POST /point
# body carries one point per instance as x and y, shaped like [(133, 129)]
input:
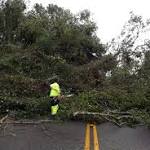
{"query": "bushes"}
[(111, 99), (8, 49), (92, 101), (30, 106), (19, 86)]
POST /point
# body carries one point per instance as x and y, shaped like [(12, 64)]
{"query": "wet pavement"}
[(114, 138), (66, 136), (71, 136)]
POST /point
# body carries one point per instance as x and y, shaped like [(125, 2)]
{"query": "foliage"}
[(45, 42)]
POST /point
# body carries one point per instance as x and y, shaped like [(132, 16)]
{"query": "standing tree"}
[(129, 52), (12, 13)]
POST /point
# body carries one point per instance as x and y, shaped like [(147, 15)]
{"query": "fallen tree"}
[(115, 117)]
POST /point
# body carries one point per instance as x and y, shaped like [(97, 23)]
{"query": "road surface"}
[(73, 136)]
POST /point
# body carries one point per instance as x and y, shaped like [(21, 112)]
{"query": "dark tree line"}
[(55, 30), (45, 42)]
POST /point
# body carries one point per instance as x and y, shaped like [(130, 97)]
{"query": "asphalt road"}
[(71, 136), (114, 138)]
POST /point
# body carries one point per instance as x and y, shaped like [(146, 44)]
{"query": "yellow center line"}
[(87, 137), (96, 144)]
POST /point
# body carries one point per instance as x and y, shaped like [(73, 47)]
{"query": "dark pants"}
[(53, 105), (54, 101)]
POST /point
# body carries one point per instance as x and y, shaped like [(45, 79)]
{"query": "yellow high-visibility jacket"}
[(55, 90)]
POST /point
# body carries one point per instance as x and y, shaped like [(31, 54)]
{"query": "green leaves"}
[(11, 15)]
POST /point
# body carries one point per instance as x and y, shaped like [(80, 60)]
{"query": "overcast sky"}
[(110, 15)]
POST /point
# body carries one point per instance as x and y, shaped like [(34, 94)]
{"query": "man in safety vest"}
[(55, 94)]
